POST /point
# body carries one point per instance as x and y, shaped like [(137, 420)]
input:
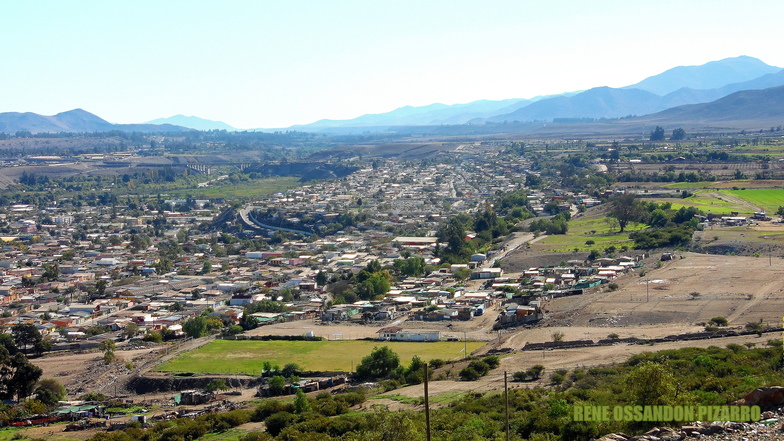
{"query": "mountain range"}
[(721, 91), (674, 87), (76, 120)]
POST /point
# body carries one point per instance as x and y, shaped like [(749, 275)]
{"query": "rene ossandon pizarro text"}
[(666, 413)]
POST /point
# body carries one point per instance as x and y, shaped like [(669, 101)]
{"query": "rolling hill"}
[(76, 120), (747, 105)]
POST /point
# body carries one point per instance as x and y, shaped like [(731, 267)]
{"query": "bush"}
[(279, 421), (492, 361), (437, 363), (469, 374), (268, 408), (612, 286)]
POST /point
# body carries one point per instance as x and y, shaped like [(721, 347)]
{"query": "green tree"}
[(625, 209), (49, 391), (26, 335), (195, 327), (651, 383), (657, 134), (678, 134), (207, 267), (17, 375), (217, 384), (108, 347), (290, 369), (380, 363), (277, 384), (301, 403)]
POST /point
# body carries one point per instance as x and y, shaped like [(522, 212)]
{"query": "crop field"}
[(768, 199), (247, 357), (743, 183)]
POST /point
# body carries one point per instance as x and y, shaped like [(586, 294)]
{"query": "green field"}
[(712, 201), (243, 190), (247, 357), (584, 229), (769, 199), (726, 185)]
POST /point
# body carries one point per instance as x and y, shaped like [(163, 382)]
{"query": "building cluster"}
[(71, 269)]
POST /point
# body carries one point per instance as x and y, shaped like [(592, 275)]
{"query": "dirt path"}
[(560, 359)]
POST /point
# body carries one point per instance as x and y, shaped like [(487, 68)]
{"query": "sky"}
[(273, 64)]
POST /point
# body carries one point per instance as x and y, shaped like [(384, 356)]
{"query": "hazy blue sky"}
[(277, 63)]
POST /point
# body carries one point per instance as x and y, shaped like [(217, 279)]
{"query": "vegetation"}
[(228, 357)]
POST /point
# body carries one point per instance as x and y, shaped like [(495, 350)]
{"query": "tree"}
[(380, 363), (291, 369), (195, 327), (217, 384), (301, 403), (207, 267), (49, 391), (677, 134), (651, 383), (625, 208), (8, 343), (277, 384), (26, 335), (131, 329), (17, 375), (657, 134), (108, 347)]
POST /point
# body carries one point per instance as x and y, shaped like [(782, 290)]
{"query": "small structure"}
[(396, 333), (192, 398)]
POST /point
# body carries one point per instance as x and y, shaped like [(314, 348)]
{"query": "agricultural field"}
[(743, 183), (247, 357), (726, 201), (769, 200)]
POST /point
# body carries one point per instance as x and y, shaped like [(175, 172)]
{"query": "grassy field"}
[(769, 199), (242, 190), (247, 357), (745, 183), (584, 229)]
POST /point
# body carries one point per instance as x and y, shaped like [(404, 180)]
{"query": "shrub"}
[(469, 374), (492, 361), (612, 286), (437, 363), (719, 321), (279, 421)]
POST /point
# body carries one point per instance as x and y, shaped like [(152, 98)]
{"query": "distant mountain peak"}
[(711, 75), (193, 122)]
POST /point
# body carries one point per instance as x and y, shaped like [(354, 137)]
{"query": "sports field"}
[(248, 357)]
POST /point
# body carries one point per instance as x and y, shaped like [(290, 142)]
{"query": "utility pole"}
[(465, 345), (427, 407), (647, 291), (506, 399)]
